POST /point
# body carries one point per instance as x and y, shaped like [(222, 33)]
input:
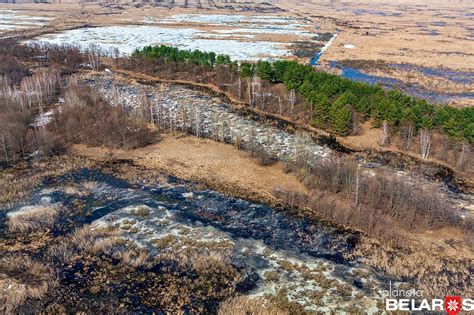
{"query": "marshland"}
[(185, 159)]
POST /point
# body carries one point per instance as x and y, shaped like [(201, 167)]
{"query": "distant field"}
[(421, 47), (433, 39)]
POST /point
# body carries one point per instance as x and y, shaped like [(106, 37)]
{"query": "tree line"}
[(334, 103), (206, 59), (334, 100), (286, 88)]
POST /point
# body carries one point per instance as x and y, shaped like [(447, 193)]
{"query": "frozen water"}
[(267, 30), (129, 38), (225, 19), (10, 19), (215, 119)]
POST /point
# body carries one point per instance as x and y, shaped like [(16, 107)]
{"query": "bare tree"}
[(463, 154), (116, 55), (171, 121), (94, 56), (252, 141), (357, 185), (292, 100), (425, 142), (197, 121), (239, 87), (406, 134), (280, 105), (224, 129), (384, 134), (5, 149), (256, 91), (250, 92)]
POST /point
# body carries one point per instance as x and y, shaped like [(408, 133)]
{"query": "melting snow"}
[(10, 19), (128, 38)]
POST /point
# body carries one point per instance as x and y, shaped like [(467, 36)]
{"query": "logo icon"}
[(452, 304)]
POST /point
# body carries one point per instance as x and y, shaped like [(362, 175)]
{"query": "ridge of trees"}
[(206, 59)]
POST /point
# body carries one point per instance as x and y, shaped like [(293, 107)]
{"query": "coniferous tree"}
[(340, 117)]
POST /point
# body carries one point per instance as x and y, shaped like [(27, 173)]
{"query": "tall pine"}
[(340, 118)]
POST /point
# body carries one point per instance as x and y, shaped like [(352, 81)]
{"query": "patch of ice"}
[(129, 38), (328, 44), (33, 209), (188, 194), (267, 30), (43, 119), (10, 19)]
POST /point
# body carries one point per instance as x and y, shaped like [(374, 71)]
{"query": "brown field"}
[(434, 34), (373, 34)]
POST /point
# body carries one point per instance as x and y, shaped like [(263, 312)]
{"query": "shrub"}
[(87, 118), (263, 157)]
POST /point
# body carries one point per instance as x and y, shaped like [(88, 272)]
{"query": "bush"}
[(87, 118), (263, 157)]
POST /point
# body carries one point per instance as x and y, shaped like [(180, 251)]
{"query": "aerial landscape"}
[(236, 157)]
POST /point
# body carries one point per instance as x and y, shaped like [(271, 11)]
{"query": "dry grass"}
[(245, 306), (32, 219), (133, 257), (16, 183), (434, 274), (141, 211), (206, 262), (20, 279), (86, 240), (95, 240)]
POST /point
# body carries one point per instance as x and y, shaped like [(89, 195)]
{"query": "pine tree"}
[(265, 71), (340, 117), (320, 104), (247, 70)]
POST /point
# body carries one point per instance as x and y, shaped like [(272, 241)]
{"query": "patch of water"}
[(10, 19), (316, 58), (390, 83), (235, 19), (375, 12), (461, 77)]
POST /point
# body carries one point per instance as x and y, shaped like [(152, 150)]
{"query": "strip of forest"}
[(326, 101)]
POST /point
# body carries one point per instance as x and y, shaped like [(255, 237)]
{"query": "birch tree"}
[(384, 134), (292, 100), (425, 142)]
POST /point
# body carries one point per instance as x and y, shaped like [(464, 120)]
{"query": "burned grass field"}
[(121, 237)]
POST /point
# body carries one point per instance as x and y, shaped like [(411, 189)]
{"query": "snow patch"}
[(129, 38)]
